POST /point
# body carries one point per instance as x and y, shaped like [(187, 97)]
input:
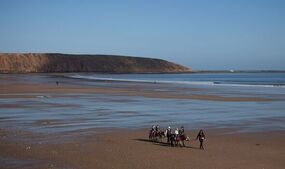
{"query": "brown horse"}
[(160, 135), (156, 136), (178, 140)]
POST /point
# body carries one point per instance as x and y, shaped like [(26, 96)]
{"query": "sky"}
[(201, 34)]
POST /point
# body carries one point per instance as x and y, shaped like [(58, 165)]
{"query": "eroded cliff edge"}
[(60, 63)]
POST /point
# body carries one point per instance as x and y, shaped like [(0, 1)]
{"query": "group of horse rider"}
[(174, 137)]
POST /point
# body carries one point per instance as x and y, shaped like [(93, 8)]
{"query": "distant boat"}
[(232, 71)]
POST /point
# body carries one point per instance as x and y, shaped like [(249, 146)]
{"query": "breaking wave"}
[(171, 81)]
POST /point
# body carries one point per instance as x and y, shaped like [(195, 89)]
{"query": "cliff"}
[(55, 62)]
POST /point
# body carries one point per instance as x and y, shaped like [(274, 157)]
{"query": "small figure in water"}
[(57, 83), (201, 136)]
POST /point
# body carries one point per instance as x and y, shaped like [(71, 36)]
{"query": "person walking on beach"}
[(201, 137), (168, 134)]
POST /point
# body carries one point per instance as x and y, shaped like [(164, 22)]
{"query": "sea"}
[(221, 79), (71, 112)]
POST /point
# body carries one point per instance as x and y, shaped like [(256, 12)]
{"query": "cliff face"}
[(49, 63)]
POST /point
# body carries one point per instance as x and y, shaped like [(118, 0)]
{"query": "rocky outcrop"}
[(55, 63)]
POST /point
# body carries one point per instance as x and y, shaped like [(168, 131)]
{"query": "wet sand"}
[(128, 149), (125, 149), (12, 89)]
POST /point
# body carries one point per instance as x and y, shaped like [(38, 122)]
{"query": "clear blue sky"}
[(202, 34)]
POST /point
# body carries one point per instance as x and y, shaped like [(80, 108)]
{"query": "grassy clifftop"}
[(55, 62)]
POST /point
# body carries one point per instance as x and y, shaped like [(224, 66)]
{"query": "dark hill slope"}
[(53, 62)]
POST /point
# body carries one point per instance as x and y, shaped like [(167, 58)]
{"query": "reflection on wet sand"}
[(42, 106), (76, 125)]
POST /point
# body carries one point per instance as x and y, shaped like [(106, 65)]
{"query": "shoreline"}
[(31, 88)]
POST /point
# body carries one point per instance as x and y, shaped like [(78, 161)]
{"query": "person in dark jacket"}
[(201, 136)]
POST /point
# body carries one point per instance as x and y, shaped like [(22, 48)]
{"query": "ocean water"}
[(221, 79), (55, 112)]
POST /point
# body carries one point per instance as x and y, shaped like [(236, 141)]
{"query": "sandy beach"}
[(136, 84), (125, 149), (12, 88), (27, 146)]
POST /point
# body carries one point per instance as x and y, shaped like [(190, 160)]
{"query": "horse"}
[(156, 136), (151, 135), (176, 140), (159, 135)]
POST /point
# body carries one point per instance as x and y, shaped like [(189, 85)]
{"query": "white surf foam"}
[(171, 82)]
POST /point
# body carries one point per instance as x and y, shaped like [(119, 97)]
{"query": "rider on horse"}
[(168, 133), (181, 132), (155, 133), (157, 128), (151, 132)]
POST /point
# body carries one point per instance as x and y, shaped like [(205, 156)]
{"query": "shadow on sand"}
[(164, 144)]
